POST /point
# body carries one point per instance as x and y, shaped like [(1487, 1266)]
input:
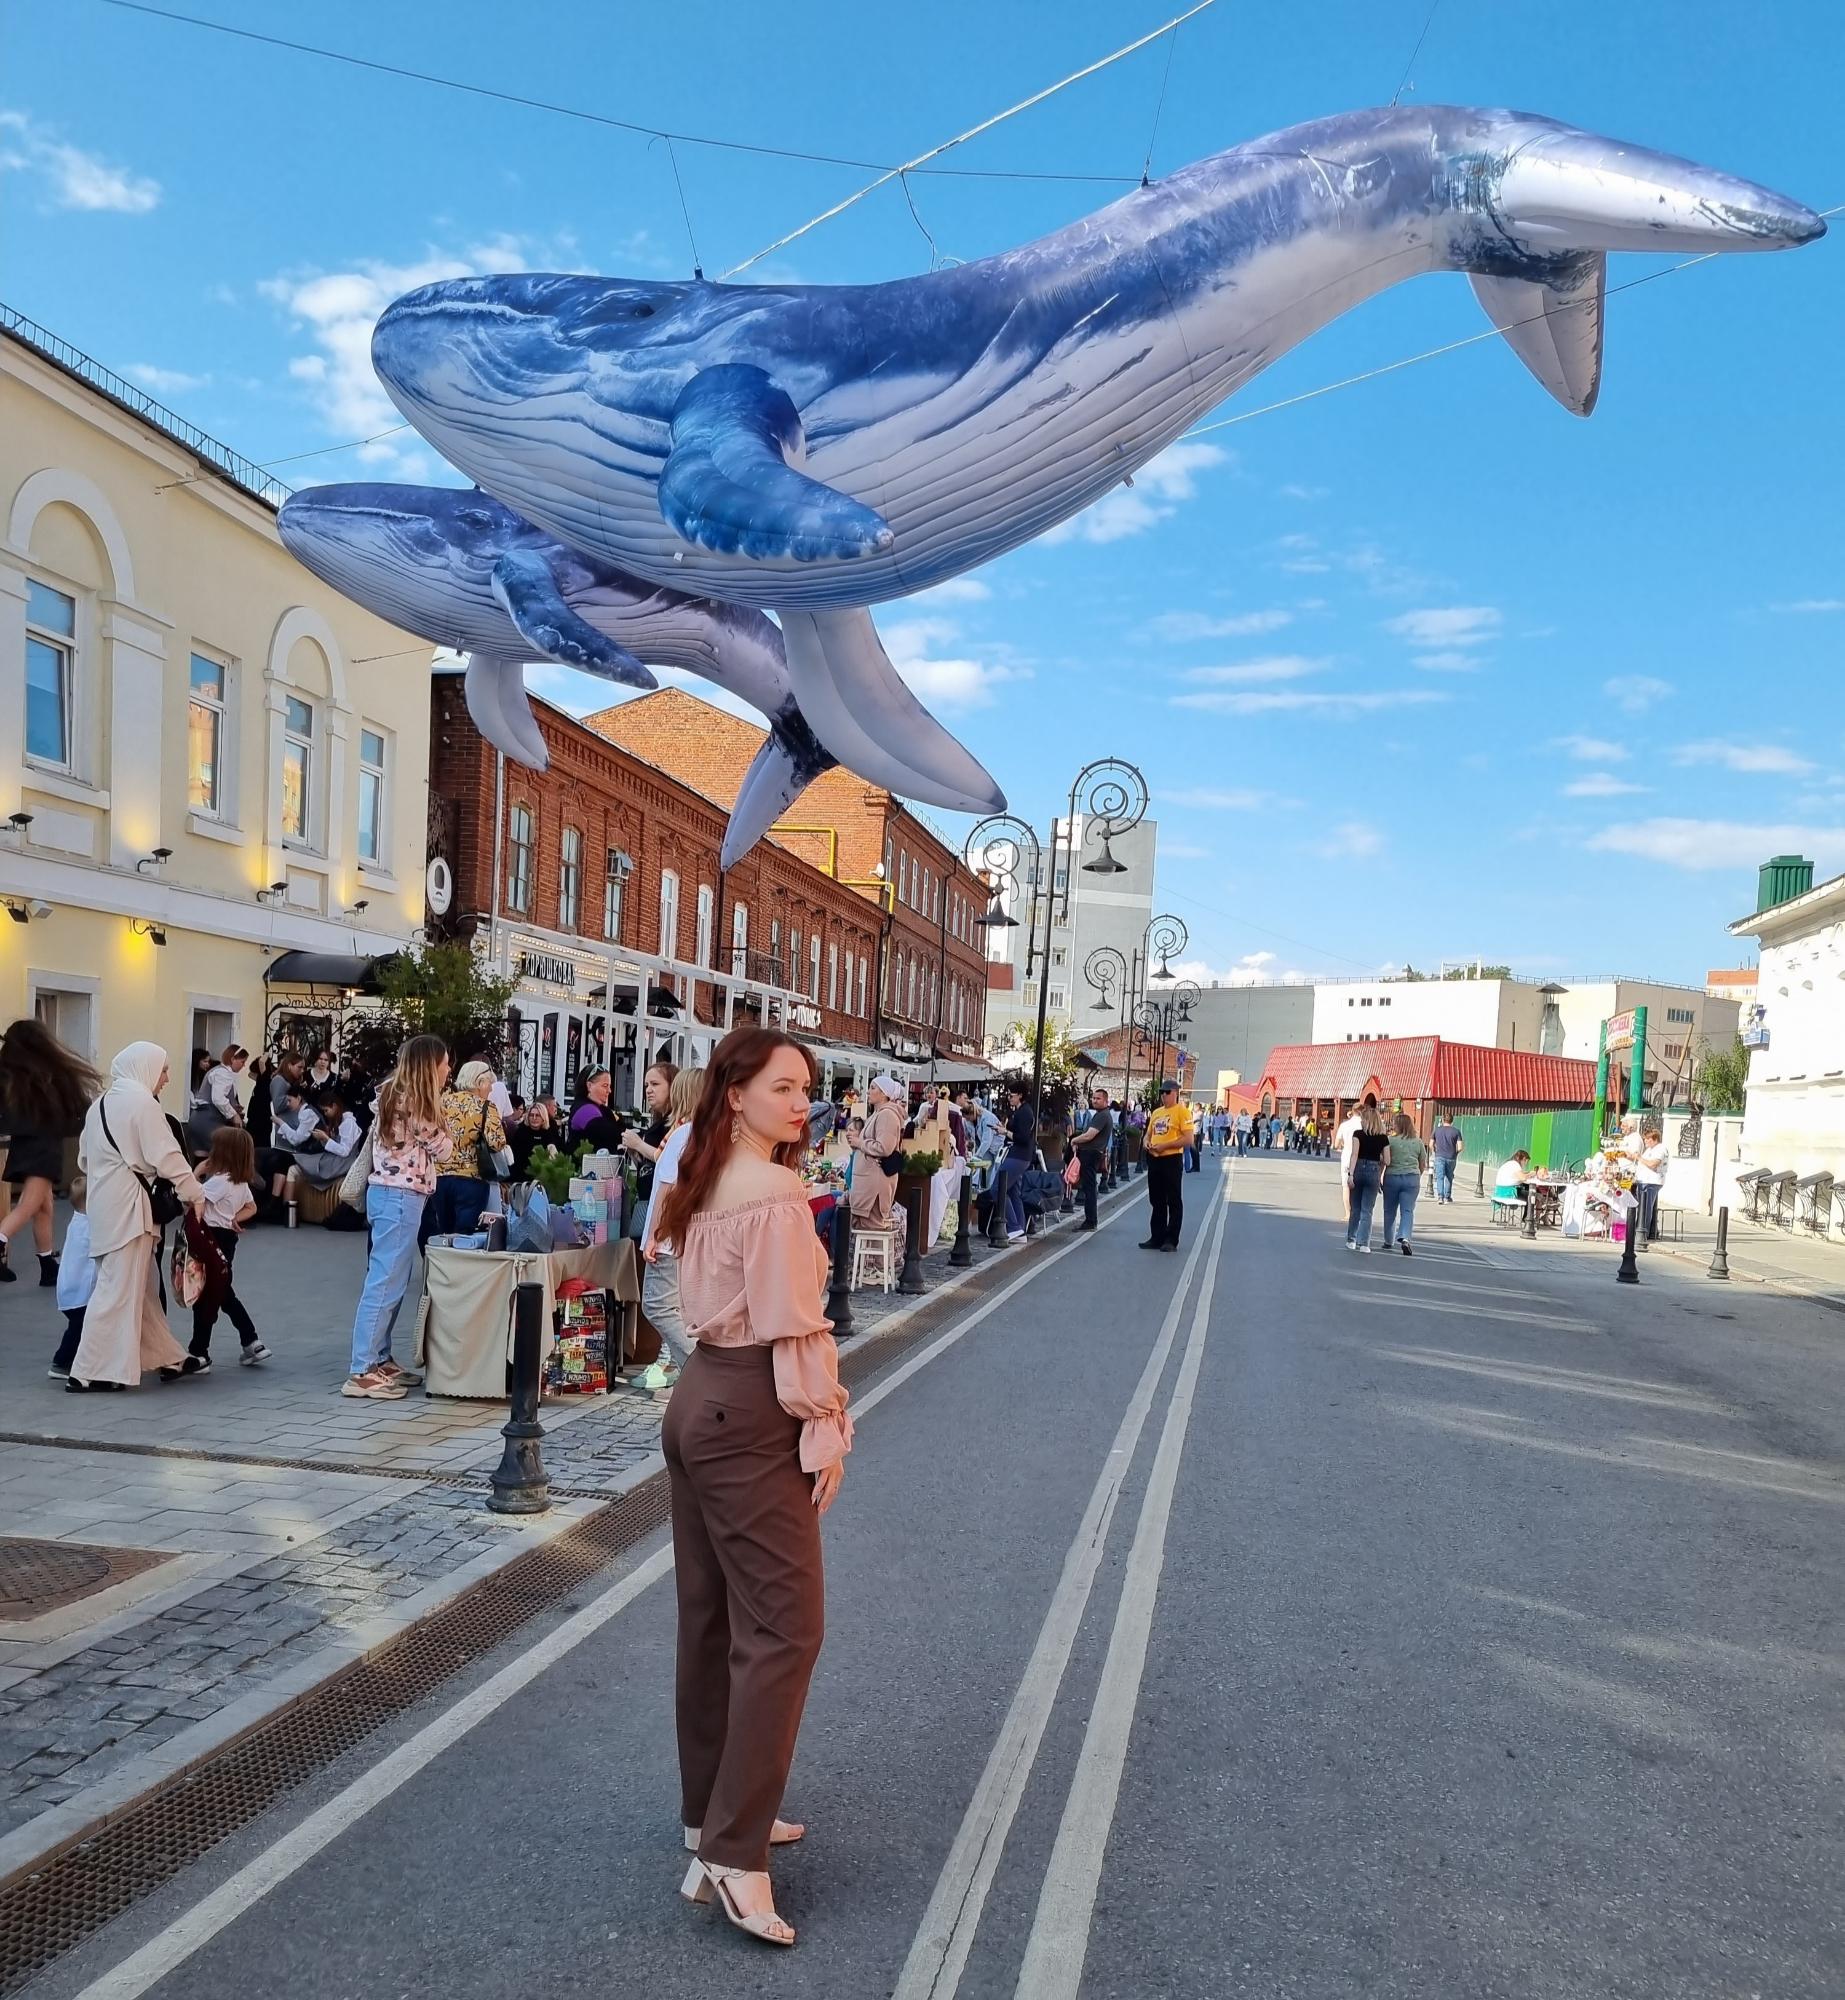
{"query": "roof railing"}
[(215, 457)]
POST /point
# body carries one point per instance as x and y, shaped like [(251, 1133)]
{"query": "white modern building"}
[(1794, 1119), (1233, 1029)]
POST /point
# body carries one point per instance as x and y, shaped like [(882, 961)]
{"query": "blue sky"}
[(1421, 668)]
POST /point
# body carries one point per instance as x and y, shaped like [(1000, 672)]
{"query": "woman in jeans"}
[(1369, 1145), (1405, 1162), (409, 1143)]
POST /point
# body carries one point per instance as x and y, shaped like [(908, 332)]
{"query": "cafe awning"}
[(327, 968)]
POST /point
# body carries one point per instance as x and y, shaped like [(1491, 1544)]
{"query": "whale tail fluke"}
[(1553, 322), (782, 770), (865, 716)]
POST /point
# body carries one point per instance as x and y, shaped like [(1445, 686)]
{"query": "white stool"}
[(874, 1255)]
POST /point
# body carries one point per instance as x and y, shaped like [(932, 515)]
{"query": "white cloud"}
[(1756, 758), (1159, 487), (1636, 693), (339, 310), (950, 681), (1600, 785), (1278, 667), (1446, 663), (1252, 969), (1322, 702), (1806, 604), (1182, 625), (164, 381), (1591, 749), (1457, 625), (957, 590), (1294, 490), (72, 178), (1351, 839), (1714, 843)]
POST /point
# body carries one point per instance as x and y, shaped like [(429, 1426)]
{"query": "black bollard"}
[(1629, 1273), (839, 1290), (1720, 1262), (911, 1279), (1479, 1186), (963, 1253), (1531, 1202), (519, 1482)]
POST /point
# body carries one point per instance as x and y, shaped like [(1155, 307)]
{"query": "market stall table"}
[(465, 1329)]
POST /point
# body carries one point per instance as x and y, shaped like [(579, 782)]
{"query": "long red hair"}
[(742, 1055)]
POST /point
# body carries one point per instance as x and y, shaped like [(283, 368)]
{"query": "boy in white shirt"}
[(76, 1280)]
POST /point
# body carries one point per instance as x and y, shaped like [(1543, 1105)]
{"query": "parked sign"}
[(1621, 1031)]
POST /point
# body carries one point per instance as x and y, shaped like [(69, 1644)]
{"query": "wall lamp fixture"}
[(273, 894), (157, 859), (153, 931)]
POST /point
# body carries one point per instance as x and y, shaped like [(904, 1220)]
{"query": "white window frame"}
[(707, 917), (903, 877), (521, 858), (669, 913), (221, 809), (775, 951), (305, 741), (813, 968), (864, 986), (569, 878), (73, 985), (832, 974), (65, 645), (740, 939), (380, 772), (614, 903)]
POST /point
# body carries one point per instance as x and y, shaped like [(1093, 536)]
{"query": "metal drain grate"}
[(49, 1912), (36, 1577)]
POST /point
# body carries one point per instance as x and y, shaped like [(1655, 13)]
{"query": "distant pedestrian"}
[(1344, 1138), (1650, 1180), (1369, 1145), (230, 1201), (474, 1129), (127, 1147), (1094, 1135), (660, 1278), (410, 1141), (44, 1093), (76, 1278), (878, 1158), (1406, 1160), (1021, 1152), (1447, 1146), (215, 1102), (590, 1116), (1242, 1134), (327, 1139), (1169, 1132)]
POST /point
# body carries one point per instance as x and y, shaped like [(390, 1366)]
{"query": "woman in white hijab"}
[(125, 1330)]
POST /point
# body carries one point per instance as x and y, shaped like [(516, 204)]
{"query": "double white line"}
[(1059, 1939)]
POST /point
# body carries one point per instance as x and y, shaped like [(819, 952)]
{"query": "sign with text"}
[(1620, 1031)]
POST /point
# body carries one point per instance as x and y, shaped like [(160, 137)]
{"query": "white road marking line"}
[(932, 1971), (1059, 1940), (196, 1927)]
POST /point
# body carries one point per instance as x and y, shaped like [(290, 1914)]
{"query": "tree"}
[(1723, 1076), (1479, 972), (441, 989)]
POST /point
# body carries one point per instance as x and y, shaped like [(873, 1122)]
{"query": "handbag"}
[(358, 1176), (486, 1159), (1074, 1171), (163, 1199)]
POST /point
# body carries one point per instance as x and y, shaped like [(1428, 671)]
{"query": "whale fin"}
[(782, 770), (861, 710), (502, 712), (728, 484), (527, 592), (1553, 323)]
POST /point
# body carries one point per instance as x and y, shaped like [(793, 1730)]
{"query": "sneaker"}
[(1015, 1236), (196, 1364), (1404, 1246), (407, 1376), (7, 1274), (1149, 1244), (1364, 1249), (656, 1375), (47, 1271), (255, 1352), (1169, 1246), (72, 1387), (58, 1374), (376, 1386), (1349, 1244)]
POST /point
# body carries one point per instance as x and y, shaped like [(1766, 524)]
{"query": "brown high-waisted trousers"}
[(746, 1549)]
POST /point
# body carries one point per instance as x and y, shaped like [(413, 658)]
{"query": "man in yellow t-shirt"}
[(1169, 1133)]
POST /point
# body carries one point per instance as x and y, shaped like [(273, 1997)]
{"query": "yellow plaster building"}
[(207, 757)]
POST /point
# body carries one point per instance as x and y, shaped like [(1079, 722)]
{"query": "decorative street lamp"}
[(1165, 935)]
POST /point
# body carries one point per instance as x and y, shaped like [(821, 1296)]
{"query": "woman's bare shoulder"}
[(747, 1178)]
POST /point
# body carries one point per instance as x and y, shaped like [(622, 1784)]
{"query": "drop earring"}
[(736, 1128)]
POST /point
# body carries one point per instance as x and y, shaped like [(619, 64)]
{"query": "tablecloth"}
[(465, 1329)]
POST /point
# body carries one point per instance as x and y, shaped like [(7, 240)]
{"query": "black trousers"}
[(1165, 1185), (1089, 1158), (205, 1317)]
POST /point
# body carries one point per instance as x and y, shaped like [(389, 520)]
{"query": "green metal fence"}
[(1552, 1138)]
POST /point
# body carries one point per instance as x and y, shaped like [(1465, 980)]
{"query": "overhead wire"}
[(1146, 165), (523, 102), (1428, 23), (961, 138)]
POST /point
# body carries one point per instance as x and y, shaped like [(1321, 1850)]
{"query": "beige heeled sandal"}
[(705, 1876), (784, 1833)]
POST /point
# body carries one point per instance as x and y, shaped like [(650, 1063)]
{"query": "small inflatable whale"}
[(819, 449), (461, 570)]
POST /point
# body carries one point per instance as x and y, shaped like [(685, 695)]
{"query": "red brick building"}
[(930, 969), (595, 884)]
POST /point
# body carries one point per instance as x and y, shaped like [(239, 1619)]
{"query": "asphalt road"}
[(1265, 1621)]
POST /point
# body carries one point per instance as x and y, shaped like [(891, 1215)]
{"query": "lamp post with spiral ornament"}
[(1164, 935), (1111, 797), (1107, 971)]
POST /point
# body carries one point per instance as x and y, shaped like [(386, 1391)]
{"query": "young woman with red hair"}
[(755, 1441)]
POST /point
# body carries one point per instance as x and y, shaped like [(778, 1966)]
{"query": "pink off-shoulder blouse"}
[(756, 1275)]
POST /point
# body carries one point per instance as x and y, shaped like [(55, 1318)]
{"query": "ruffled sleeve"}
[(784, 1275)]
